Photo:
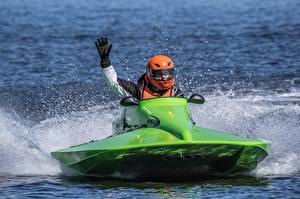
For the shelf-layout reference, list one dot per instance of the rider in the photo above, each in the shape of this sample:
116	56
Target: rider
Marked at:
158	81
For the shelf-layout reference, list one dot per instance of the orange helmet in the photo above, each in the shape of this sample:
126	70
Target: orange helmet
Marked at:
161	72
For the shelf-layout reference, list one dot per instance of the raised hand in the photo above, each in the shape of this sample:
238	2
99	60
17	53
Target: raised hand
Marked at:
104	51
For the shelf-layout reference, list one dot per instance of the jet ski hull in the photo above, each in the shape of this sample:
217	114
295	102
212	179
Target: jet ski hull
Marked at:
154	153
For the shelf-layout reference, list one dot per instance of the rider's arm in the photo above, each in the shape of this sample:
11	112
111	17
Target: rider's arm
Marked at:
121	86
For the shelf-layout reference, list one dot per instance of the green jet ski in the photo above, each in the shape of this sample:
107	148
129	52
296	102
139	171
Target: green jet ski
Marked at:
156	138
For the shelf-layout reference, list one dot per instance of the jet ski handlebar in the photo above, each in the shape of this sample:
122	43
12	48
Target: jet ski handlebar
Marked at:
196	99
131	101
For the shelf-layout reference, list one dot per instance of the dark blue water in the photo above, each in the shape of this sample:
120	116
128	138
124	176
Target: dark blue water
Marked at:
54	187
243	56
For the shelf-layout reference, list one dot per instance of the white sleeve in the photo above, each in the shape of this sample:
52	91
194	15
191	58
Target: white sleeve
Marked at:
112	79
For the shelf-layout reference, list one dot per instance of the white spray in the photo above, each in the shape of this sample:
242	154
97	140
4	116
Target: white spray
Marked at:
26	150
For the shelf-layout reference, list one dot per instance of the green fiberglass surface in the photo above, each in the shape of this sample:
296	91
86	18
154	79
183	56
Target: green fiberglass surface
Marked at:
174	141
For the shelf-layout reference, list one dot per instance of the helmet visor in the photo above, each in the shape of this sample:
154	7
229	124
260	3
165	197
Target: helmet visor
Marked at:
162	75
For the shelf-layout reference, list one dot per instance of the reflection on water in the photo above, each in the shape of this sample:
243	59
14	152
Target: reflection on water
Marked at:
84	187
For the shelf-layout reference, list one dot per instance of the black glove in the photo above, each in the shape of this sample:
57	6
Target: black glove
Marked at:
103	50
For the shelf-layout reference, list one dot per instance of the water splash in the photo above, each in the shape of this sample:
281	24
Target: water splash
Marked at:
274	118
25	150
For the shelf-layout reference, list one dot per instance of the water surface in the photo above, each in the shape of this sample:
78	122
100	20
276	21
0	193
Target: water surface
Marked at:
242	56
